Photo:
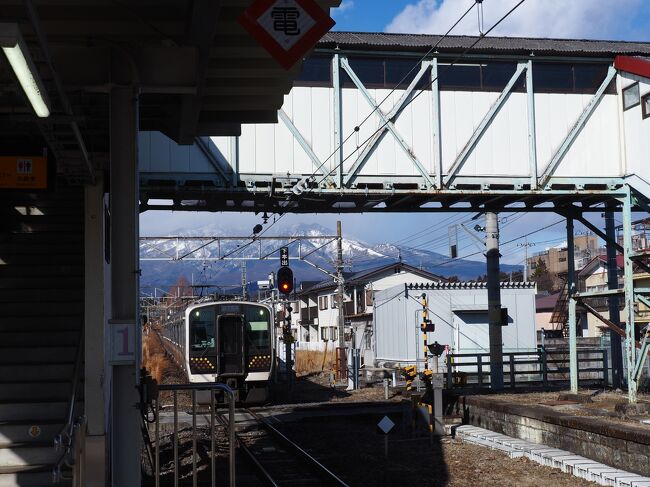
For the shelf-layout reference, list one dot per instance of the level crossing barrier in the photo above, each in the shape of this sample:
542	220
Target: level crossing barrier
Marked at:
536	368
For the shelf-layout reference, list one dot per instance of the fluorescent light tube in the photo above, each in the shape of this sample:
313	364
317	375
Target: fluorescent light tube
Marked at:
27	80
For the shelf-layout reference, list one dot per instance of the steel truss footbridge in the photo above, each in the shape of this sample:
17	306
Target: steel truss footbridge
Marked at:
383	123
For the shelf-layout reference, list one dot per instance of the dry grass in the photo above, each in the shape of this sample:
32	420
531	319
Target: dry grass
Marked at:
154	358
309	362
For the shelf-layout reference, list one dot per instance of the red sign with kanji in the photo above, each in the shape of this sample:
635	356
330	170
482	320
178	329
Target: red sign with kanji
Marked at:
288	29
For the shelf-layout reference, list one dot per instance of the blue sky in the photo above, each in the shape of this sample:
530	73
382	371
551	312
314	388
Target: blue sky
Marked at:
596	19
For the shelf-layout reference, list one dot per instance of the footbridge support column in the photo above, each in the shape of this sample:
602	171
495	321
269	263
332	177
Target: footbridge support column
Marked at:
494	300
571	291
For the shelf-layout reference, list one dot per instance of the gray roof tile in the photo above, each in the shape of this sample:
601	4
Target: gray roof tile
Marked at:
497	45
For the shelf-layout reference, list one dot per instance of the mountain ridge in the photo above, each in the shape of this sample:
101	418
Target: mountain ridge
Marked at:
201	267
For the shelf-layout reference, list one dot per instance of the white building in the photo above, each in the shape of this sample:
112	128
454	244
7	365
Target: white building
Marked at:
459	313
315	314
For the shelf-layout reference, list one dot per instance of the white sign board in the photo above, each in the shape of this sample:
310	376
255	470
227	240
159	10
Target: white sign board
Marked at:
122	342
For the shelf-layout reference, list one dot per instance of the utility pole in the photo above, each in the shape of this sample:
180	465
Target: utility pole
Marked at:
494	300
614	315
342	355
244	281
525	245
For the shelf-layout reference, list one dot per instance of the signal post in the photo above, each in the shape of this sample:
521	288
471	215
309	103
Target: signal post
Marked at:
285	287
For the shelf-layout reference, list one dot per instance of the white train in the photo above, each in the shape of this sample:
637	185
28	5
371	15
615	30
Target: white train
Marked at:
226	341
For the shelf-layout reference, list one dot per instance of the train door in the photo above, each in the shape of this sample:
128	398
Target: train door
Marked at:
230	344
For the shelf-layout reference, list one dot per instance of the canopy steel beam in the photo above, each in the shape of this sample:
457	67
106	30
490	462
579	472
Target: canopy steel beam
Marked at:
317	163
212	160
387	122
577	128
461	159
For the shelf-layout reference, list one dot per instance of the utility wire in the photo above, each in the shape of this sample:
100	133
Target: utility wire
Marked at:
504	243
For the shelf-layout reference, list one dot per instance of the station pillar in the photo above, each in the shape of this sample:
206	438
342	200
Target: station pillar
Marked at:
95	320
124	335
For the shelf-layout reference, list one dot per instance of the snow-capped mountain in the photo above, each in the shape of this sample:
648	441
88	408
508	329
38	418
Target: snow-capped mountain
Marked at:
164	261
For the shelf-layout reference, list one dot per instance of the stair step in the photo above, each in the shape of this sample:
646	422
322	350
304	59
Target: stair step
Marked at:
36	391
27	353
40	338
45	309
39	271
36	476
11	412
33	325
17	373
27	454
36	295
41	282
29	432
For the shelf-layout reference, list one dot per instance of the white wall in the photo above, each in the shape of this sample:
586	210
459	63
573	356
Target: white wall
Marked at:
460	317
503	150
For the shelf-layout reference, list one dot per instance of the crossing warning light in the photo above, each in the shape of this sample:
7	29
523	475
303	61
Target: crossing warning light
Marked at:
285	280
436	349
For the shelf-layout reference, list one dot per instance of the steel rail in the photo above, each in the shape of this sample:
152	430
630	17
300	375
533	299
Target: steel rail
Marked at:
267	478
329	477
321	469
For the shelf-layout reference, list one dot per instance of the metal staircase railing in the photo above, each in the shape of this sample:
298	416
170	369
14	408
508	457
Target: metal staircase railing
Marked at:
560	315
68	438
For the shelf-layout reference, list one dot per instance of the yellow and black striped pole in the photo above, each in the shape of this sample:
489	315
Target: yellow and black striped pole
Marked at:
409	374
423	327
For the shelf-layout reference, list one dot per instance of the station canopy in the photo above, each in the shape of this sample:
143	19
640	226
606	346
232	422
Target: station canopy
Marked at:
197	71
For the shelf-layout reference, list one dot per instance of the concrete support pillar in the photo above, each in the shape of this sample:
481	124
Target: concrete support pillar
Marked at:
124	328
95	319
630	345
614	315
572	288
494	300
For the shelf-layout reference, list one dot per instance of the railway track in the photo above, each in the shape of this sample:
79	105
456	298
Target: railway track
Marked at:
279	461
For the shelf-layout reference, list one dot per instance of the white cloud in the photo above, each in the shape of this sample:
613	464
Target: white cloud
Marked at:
346	5
592	19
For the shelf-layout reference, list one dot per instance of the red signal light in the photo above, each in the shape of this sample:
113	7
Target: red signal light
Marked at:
285	280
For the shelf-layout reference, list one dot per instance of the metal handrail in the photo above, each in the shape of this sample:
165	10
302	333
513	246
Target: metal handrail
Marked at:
64	440
193	388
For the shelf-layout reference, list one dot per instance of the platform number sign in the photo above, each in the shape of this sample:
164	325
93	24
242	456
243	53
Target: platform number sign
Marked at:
287	29
284	256
123	342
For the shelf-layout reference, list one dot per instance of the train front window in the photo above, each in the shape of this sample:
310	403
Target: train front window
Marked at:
202	328
257	329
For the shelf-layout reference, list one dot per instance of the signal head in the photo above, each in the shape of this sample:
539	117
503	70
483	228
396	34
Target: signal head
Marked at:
285	280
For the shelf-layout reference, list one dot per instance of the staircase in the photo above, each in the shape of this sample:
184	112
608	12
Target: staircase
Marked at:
41	317
560	316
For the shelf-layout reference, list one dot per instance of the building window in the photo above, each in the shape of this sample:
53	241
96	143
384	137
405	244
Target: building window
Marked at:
329	333
322	302
645	105
333	303
561	259
316	71
631	96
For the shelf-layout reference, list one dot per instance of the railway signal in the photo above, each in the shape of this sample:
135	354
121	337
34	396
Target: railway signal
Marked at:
436	349
285	280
